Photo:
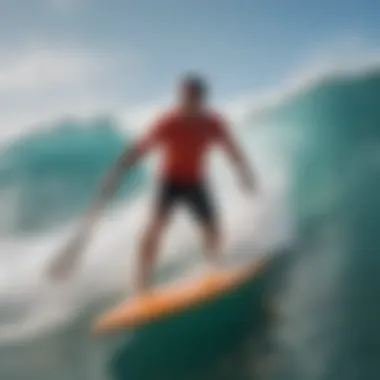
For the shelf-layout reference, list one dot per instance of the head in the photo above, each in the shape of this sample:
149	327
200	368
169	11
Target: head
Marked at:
192	92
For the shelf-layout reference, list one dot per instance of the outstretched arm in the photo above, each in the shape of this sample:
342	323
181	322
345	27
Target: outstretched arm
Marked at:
237	157
126	161
68	257
110	183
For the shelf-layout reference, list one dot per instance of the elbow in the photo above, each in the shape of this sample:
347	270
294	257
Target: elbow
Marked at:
134	154
236	156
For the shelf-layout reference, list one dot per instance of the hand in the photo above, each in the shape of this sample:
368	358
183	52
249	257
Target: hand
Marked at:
66	260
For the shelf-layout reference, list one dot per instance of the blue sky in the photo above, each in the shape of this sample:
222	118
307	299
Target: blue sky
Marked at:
60	55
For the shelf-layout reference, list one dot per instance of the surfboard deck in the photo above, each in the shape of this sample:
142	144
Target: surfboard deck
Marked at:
171	299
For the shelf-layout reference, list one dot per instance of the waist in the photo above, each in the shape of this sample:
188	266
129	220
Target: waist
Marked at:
182	177
183	171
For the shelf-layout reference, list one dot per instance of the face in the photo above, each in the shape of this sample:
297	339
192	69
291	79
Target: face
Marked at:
191	97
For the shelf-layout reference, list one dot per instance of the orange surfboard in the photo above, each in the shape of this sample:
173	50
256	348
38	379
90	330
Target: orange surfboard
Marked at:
171	299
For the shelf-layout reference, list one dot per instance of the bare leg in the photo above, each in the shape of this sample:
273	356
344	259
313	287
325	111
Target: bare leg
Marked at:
147	254
213	244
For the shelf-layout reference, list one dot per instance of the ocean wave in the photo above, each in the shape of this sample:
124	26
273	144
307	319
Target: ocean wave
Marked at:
49	176
327	308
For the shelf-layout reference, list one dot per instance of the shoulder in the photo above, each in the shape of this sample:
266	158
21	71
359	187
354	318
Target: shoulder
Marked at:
165	118
164	122
216	118
217	122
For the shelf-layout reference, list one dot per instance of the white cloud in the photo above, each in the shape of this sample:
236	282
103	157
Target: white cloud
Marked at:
42	69
39	84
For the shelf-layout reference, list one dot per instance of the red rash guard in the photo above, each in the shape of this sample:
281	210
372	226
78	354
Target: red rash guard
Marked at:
185	141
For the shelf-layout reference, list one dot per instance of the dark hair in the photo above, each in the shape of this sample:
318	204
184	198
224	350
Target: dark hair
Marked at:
196	83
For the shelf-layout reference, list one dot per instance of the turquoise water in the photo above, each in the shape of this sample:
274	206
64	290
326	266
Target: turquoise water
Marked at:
329	309
311	315
49	177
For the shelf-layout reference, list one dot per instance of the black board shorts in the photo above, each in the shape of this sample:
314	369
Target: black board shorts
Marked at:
196	197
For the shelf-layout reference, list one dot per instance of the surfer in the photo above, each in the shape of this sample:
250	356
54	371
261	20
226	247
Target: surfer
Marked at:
185	134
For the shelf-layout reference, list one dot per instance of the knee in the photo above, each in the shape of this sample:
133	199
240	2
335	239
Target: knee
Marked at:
212	232
151	234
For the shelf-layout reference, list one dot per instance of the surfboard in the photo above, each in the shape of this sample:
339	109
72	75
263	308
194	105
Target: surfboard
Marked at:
174	298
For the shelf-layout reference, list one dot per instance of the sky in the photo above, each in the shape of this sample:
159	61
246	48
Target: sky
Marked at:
76	56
